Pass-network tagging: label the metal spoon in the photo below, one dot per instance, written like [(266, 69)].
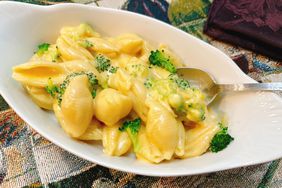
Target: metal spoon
[(208, 85)]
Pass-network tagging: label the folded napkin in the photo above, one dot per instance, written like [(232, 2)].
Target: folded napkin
[(252, 24)]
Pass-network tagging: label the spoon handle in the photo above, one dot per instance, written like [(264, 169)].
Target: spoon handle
[(251, 87)]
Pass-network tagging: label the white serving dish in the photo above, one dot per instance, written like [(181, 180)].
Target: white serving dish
[(255, 118)]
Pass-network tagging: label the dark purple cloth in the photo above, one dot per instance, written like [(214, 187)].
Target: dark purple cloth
[(252, 24)]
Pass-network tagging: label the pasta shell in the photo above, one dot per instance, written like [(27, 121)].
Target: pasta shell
[(51, 55), (137, 68), (159, 73), (69, 50), (130, 43), (79, 66), (76, 111), (180, 148), (148, 151), (162, 129), (40, 97), (197, 140), (110, 106), (145, 52), (102, 45), (115, 142), (122, 60), (93, 132), (120, 81), (138, 96), (81, 31), (37, 74)]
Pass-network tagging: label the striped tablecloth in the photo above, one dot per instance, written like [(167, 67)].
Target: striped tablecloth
[(27, 159)]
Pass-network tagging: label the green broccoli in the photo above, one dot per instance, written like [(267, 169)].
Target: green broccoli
[(148, 83), (202, 114), (60, 90), (180, 110), (103, 64), (196, 112), (160, 59), (42, 48), (132, 128), (182, 83), (51, 88), (221, 140), (113, 69), (86, 44), (93, 83)]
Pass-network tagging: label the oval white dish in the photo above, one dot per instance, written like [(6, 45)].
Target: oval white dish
[(255, 119)]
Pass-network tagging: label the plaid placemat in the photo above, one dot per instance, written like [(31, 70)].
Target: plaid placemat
[(29, 160)]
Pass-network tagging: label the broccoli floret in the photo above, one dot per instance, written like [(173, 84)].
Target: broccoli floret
[(51, 88), (221, 140), (202, 114), (63, 86), (86, 44), (94, 93), (136, 70), (132, 128), (159, 58), (148, 83), (182, 83), (42, 48), (113, 69), (180, 110), (102, 63), (196, 112), (93, 83)]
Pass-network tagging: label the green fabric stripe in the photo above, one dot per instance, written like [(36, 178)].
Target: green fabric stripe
[(84, 179), (269, 174), (3, 104)]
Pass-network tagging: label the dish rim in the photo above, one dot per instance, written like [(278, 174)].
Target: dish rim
[(57, 7)]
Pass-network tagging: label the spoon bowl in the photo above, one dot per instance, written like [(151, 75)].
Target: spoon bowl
[(205, 82)]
